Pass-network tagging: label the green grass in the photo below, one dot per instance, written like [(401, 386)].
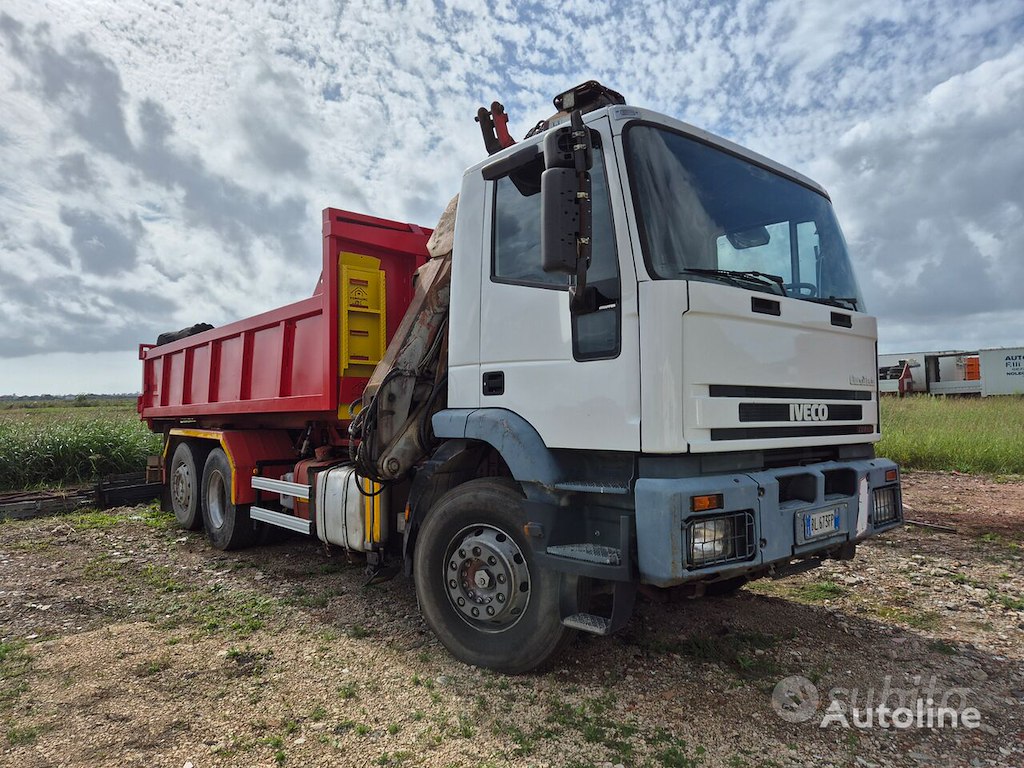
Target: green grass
[(64, 442), (928, 620), (22, 735), (348, 691), (737, 650), (64, 445), (963, 434), (15, 667), (819, 591), (152, 667), (15, 664), (941, 646), (611, 737), (236, 614)]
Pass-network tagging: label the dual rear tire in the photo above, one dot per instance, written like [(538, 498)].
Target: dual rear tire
[(200, 488), (185, 476)]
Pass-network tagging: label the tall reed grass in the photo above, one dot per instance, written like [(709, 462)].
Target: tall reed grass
[(975, 435), (71, 445), (62, 445)]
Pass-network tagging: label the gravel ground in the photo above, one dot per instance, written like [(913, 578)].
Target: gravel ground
[(126, 642)]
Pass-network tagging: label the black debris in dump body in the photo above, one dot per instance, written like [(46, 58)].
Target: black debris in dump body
[(184, 333)]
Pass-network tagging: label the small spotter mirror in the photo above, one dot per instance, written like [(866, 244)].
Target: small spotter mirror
[(748, 238), (569, 146)]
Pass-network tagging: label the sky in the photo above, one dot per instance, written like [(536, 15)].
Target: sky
[(163, 164)]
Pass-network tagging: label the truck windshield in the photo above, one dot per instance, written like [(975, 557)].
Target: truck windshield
[(708, 215)]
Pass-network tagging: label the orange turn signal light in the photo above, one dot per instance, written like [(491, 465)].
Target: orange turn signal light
[(706, 503), (891, 475)]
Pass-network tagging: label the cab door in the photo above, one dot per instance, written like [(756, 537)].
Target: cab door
[(575, 378)]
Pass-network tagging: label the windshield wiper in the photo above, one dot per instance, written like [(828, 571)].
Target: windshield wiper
[(750, 276), (847, 302)]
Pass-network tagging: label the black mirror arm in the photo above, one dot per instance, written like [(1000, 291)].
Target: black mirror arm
[(581, 300), (578, 292)]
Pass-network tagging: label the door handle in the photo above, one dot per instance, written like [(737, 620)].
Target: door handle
[(494, 383)]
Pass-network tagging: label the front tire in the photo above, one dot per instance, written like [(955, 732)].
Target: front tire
[(227, 526), (186, 472), (478, 585)]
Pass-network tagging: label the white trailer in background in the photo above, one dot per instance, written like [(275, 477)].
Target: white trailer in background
[(935, 373), (1002, 371), (996, 371)]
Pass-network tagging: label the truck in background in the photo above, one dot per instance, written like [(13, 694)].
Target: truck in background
[(633, 353), (985, 372)]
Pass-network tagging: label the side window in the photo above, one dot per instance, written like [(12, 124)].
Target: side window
[(516, 259), (596, 335), (517, 228)]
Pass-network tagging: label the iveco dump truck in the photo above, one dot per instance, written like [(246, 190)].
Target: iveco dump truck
[(632, 356)]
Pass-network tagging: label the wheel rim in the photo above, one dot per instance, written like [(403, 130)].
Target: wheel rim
[(486, 578), (216, 498), (182, 487)]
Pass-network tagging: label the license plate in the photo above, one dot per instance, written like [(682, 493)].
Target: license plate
[(818, 524)]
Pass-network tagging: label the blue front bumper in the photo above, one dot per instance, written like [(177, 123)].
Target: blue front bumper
[(769, 513)]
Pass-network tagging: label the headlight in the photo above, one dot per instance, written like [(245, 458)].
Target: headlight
[(887, 508), (711, 540)]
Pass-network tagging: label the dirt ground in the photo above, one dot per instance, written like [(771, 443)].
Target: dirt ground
[(124, 641)]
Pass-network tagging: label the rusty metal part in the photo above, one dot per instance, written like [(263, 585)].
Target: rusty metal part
[(110, 491), (936, 526), (494, 127), (21, 505), (407, 385)]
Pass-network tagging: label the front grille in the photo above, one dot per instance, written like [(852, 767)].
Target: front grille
[(887, 508), (719, 539), (787, 393), (761, 433)]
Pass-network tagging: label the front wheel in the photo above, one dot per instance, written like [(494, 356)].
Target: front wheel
[(227, 526), (478, 585)]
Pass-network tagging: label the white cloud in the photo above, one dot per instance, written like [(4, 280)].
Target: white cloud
[(170, 163), (936, 209)]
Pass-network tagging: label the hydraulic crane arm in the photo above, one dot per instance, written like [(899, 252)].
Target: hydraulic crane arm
[(391, 431)]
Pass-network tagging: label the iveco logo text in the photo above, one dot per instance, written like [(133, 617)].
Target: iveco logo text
[(808, 412)]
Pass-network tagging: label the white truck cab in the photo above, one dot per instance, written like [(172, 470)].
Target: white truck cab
[(701, 413), (659, 367)]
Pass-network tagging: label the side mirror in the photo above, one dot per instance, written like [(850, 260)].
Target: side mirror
[(566, 205), (564, 219)]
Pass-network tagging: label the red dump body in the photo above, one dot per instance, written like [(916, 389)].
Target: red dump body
[(304, 361)]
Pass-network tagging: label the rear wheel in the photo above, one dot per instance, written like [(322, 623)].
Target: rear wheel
[(186, 471), (227, 526), (478, 585)]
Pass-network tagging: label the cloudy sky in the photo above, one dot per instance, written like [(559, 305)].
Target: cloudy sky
[(164, 163)]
